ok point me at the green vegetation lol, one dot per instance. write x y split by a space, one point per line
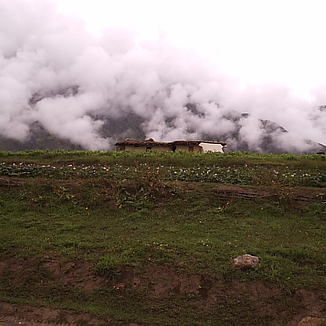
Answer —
232 168
181 215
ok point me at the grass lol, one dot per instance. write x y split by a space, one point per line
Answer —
232 168
126 210
132 228
178 158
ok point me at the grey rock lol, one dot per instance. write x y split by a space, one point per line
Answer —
245 262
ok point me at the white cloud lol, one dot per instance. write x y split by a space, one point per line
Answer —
151 58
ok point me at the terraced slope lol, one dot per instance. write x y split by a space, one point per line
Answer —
144 239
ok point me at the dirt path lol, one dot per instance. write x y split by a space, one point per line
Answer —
17 315
11 321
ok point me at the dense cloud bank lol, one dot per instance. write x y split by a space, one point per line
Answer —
78 87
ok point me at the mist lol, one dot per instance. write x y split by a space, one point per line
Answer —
77 84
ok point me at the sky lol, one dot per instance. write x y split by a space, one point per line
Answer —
256 41
73 66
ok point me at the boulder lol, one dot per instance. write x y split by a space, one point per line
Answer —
245 262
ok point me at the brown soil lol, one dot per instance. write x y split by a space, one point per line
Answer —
18 315
297 194
10 182
301 194
312 321
158 282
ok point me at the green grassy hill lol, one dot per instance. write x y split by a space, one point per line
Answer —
148 238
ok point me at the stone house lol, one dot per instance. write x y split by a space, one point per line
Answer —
199 146
196 146
143 146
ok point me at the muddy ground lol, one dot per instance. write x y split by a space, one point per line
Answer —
159 282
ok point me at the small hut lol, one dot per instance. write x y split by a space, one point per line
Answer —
213 146
147 145
187 146
143 146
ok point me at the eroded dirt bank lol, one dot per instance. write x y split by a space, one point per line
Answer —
157 283
20 315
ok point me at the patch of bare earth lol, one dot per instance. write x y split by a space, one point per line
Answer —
10 182
18 315
158 282
312 321
297 194
165 281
